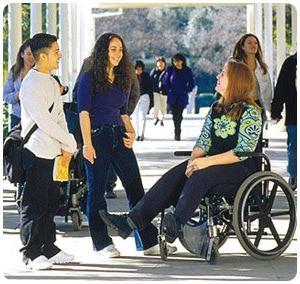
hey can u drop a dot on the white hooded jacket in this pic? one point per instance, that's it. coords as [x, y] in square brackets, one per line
[265, 87]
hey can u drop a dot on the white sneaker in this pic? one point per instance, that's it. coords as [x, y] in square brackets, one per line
[109, 252]
[39, 263]
[61, 257]
[155, 250]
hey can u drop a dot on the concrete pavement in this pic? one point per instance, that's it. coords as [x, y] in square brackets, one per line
[155, 156]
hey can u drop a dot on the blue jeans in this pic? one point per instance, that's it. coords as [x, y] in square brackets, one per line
[292, 150]
[108, 143]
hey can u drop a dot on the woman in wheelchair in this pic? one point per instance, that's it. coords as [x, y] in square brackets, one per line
[232, 125]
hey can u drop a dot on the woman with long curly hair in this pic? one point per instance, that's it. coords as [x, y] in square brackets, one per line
[108, 137]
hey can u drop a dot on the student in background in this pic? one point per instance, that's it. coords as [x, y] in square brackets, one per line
[286, 94]
[248, 50]
[19, 70]
[178, 81]
[159, 92]
[142, 107]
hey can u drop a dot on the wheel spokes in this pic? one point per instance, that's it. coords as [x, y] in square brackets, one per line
[259, 235]
[280, 213]
[274, 231]
[270, 200]
[253, 217]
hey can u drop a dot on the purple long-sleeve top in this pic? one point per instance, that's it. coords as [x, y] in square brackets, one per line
[104, 108]
[178, 84]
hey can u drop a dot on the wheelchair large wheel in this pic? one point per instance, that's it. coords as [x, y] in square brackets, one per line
[264, 215]
[194, 232]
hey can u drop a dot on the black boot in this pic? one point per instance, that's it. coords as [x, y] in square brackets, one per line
[177, 137]
[177, 133]
[171, 227]
[122, 224]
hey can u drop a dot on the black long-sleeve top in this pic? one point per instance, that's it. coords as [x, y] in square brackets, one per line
[286, 92]
[145, 84]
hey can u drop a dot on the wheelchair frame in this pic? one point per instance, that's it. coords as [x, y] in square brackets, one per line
[247, 215]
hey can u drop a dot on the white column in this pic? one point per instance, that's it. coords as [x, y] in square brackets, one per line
[281, 38]
[268, 38]
[15, 32]
[258, 26]
[294, 30]
[250, 18]
[35, 19]
[74, 45]
[64, 43]
[51, 19]
[87, 39]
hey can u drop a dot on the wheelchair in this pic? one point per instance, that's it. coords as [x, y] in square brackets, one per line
[255, 215]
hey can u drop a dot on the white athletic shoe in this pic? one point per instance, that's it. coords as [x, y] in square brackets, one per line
[61, 257]
[39, 263]
[155, 250]
[109, 252]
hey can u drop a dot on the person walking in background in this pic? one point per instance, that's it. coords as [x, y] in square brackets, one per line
[142, 107]
[178, 81]
[248, 50]
[24, 63]
[286, 94]
[41, 105]
[108, 137]
[159, 92]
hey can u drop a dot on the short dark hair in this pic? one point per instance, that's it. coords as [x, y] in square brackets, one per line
[40, 42]
[160, 58]
[139, 63]
[179, 56]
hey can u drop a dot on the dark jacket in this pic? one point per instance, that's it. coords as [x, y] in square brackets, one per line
[156, 76]
[178, 84]
[146, 86]
[286, 92]
[134, 94]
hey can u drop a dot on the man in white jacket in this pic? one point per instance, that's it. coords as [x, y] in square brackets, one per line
[41, 105]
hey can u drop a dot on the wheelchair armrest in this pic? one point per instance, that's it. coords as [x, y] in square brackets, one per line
[255, 155]
[182, 153]
[250, 154]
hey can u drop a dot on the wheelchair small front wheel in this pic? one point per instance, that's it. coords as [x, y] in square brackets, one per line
[76, 221]
[264, 215]
[163, 248]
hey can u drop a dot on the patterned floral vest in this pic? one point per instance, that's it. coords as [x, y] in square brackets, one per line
[224, 133]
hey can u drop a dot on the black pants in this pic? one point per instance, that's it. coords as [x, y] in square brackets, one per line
[110, 150]
[39, 204]
[177, 118]
[111, 179]
[174, 188]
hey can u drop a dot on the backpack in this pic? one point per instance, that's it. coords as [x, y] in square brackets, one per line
[12, 152]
